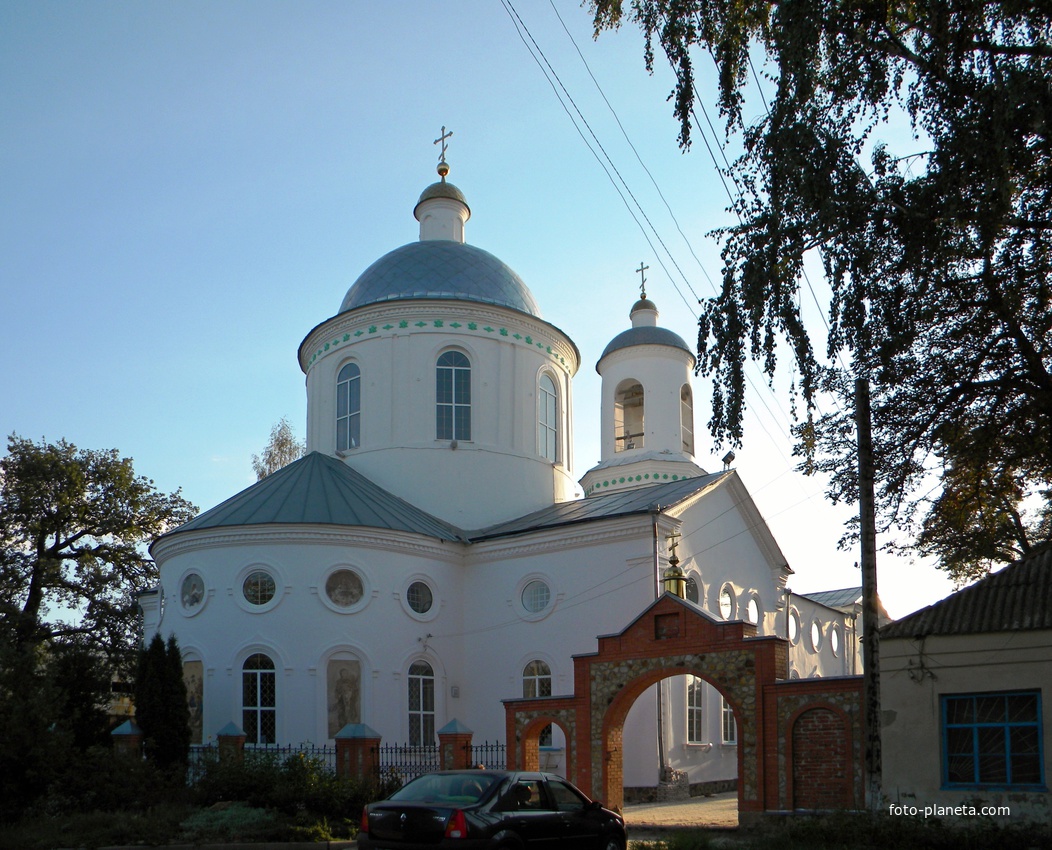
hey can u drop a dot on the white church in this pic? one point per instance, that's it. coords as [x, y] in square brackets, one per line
[427, 558]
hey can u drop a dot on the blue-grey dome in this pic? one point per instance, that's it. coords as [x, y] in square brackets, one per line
[646, 335]
[440, 268]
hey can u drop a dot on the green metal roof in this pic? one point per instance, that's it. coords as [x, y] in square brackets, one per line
[320, 490]
[638, 500]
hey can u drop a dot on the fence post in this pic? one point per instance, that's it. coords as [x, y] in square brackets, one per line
[454, 744]
[356, 752]
[127, 739]
[231, 741]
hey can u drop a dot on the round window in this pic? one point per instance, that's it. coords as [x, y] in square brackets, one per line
[834, 640]
[794, 627]
[344, 588]
[419, 597]
[536, 596]
[752, 611]
[727, 602]
[816, 635]
[192, 593]
[259, 587]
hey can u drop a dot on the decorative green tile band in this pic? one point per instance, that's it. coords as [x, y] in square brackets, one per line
[613, 482]
[373, 330]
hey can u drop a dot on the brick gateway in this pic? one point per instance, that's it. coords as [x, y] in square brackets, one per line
[799, 741]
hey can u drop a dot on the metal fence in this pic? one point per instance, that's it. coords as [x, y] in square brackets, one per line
[403, 762]
[493, 756]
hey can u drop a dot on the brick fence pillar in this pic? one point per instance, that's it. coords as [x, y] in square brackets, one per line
[454, 746]
[356, 752]
[127, 739]
[231, 742]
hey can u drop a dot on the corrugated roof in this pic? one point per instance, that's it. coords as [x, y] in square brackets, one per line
[318, 489]
[640, 500]
[1017, 598]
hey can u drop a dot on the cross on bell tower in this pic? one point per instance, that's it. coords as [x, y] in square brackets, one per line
[642, 279]
[443, 166]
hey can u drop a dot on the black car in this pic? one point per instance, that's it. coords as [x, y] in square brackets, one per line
[491, 809]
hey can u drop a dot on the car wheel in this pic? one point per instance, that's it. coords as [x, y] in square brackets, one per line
[613, 844]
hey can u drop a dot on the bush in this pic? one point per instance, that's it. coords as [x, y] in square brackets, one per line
[234, 822]
[292, 785]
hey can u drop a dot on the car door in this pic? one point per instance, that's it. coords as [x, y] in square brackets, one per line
[580, 825]
[528, 811]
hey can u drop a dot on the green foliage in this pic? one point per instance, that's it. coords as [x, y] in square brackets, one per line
[296, 784]
[282, 449]
[72, 526]
[234, 822]
[31, 746]
[938, 256]
[160, 704]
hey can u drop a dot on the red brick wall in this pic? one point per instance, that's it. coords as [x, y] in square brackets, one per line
[821, 761]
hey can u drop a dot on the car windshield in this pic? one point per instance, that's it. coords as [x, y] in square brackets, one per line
[455, 788]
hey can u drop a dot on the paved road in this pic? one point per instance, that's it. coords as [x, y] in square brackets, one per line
[720, 810]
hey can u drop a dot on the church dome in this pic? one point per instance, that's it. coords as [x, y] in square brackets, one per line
[443, 269]
[646, 336]
[441, 189]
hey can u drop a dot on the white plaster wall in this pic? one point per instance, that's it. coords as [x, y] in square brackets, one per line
[300, 631]
[662, 370]
[498, 474]
[913, 677]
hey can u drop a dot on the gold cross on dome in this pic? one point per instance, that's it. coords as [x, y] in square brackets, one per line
[673, 542]
[441, 140]
[642, 279]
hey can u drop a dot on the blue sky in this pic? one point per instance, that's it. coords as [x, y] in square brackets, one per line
[186, 189]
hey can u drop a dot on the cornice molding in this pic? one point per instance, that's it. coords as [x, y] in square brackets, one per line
[390, 318]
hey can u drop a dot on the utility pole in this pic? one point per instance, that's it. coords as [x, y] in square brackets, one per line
[870, 643]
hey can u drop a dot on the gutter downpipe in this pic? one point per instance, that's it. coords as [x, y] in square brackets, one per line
[662, 765]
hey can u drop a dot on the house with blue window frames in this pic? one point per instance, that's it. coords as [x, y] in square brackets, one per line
[429, 558]
[966, 692]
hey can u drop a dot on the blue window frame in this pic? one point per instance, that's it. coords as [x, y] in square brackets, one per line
[992, 740]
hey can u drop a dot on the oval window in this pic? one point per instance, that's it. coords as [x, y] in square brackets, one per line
[419, 597]
[727, 602]
[344, 588]
[259, 587]
[536, 596]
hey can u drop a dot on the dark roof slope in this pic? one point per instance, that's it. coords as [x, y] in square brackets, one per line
[1018, 598]
[320, 490]
[638, 500]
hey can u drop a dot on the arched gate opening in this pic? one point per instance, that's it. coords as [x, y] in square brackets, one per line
[672, 638]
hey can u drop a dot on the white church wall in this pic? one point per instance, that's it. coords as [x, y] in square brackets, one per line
[302, 631]
[399, 449]
[662, 371]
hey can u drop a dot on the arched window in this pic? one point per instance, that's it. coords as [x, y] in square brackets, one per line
[537, 682]
[259, 700]
[348, 408]
[547, 421]
[628, 416]
[686, 417]
[453, 397]
[421, 704]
